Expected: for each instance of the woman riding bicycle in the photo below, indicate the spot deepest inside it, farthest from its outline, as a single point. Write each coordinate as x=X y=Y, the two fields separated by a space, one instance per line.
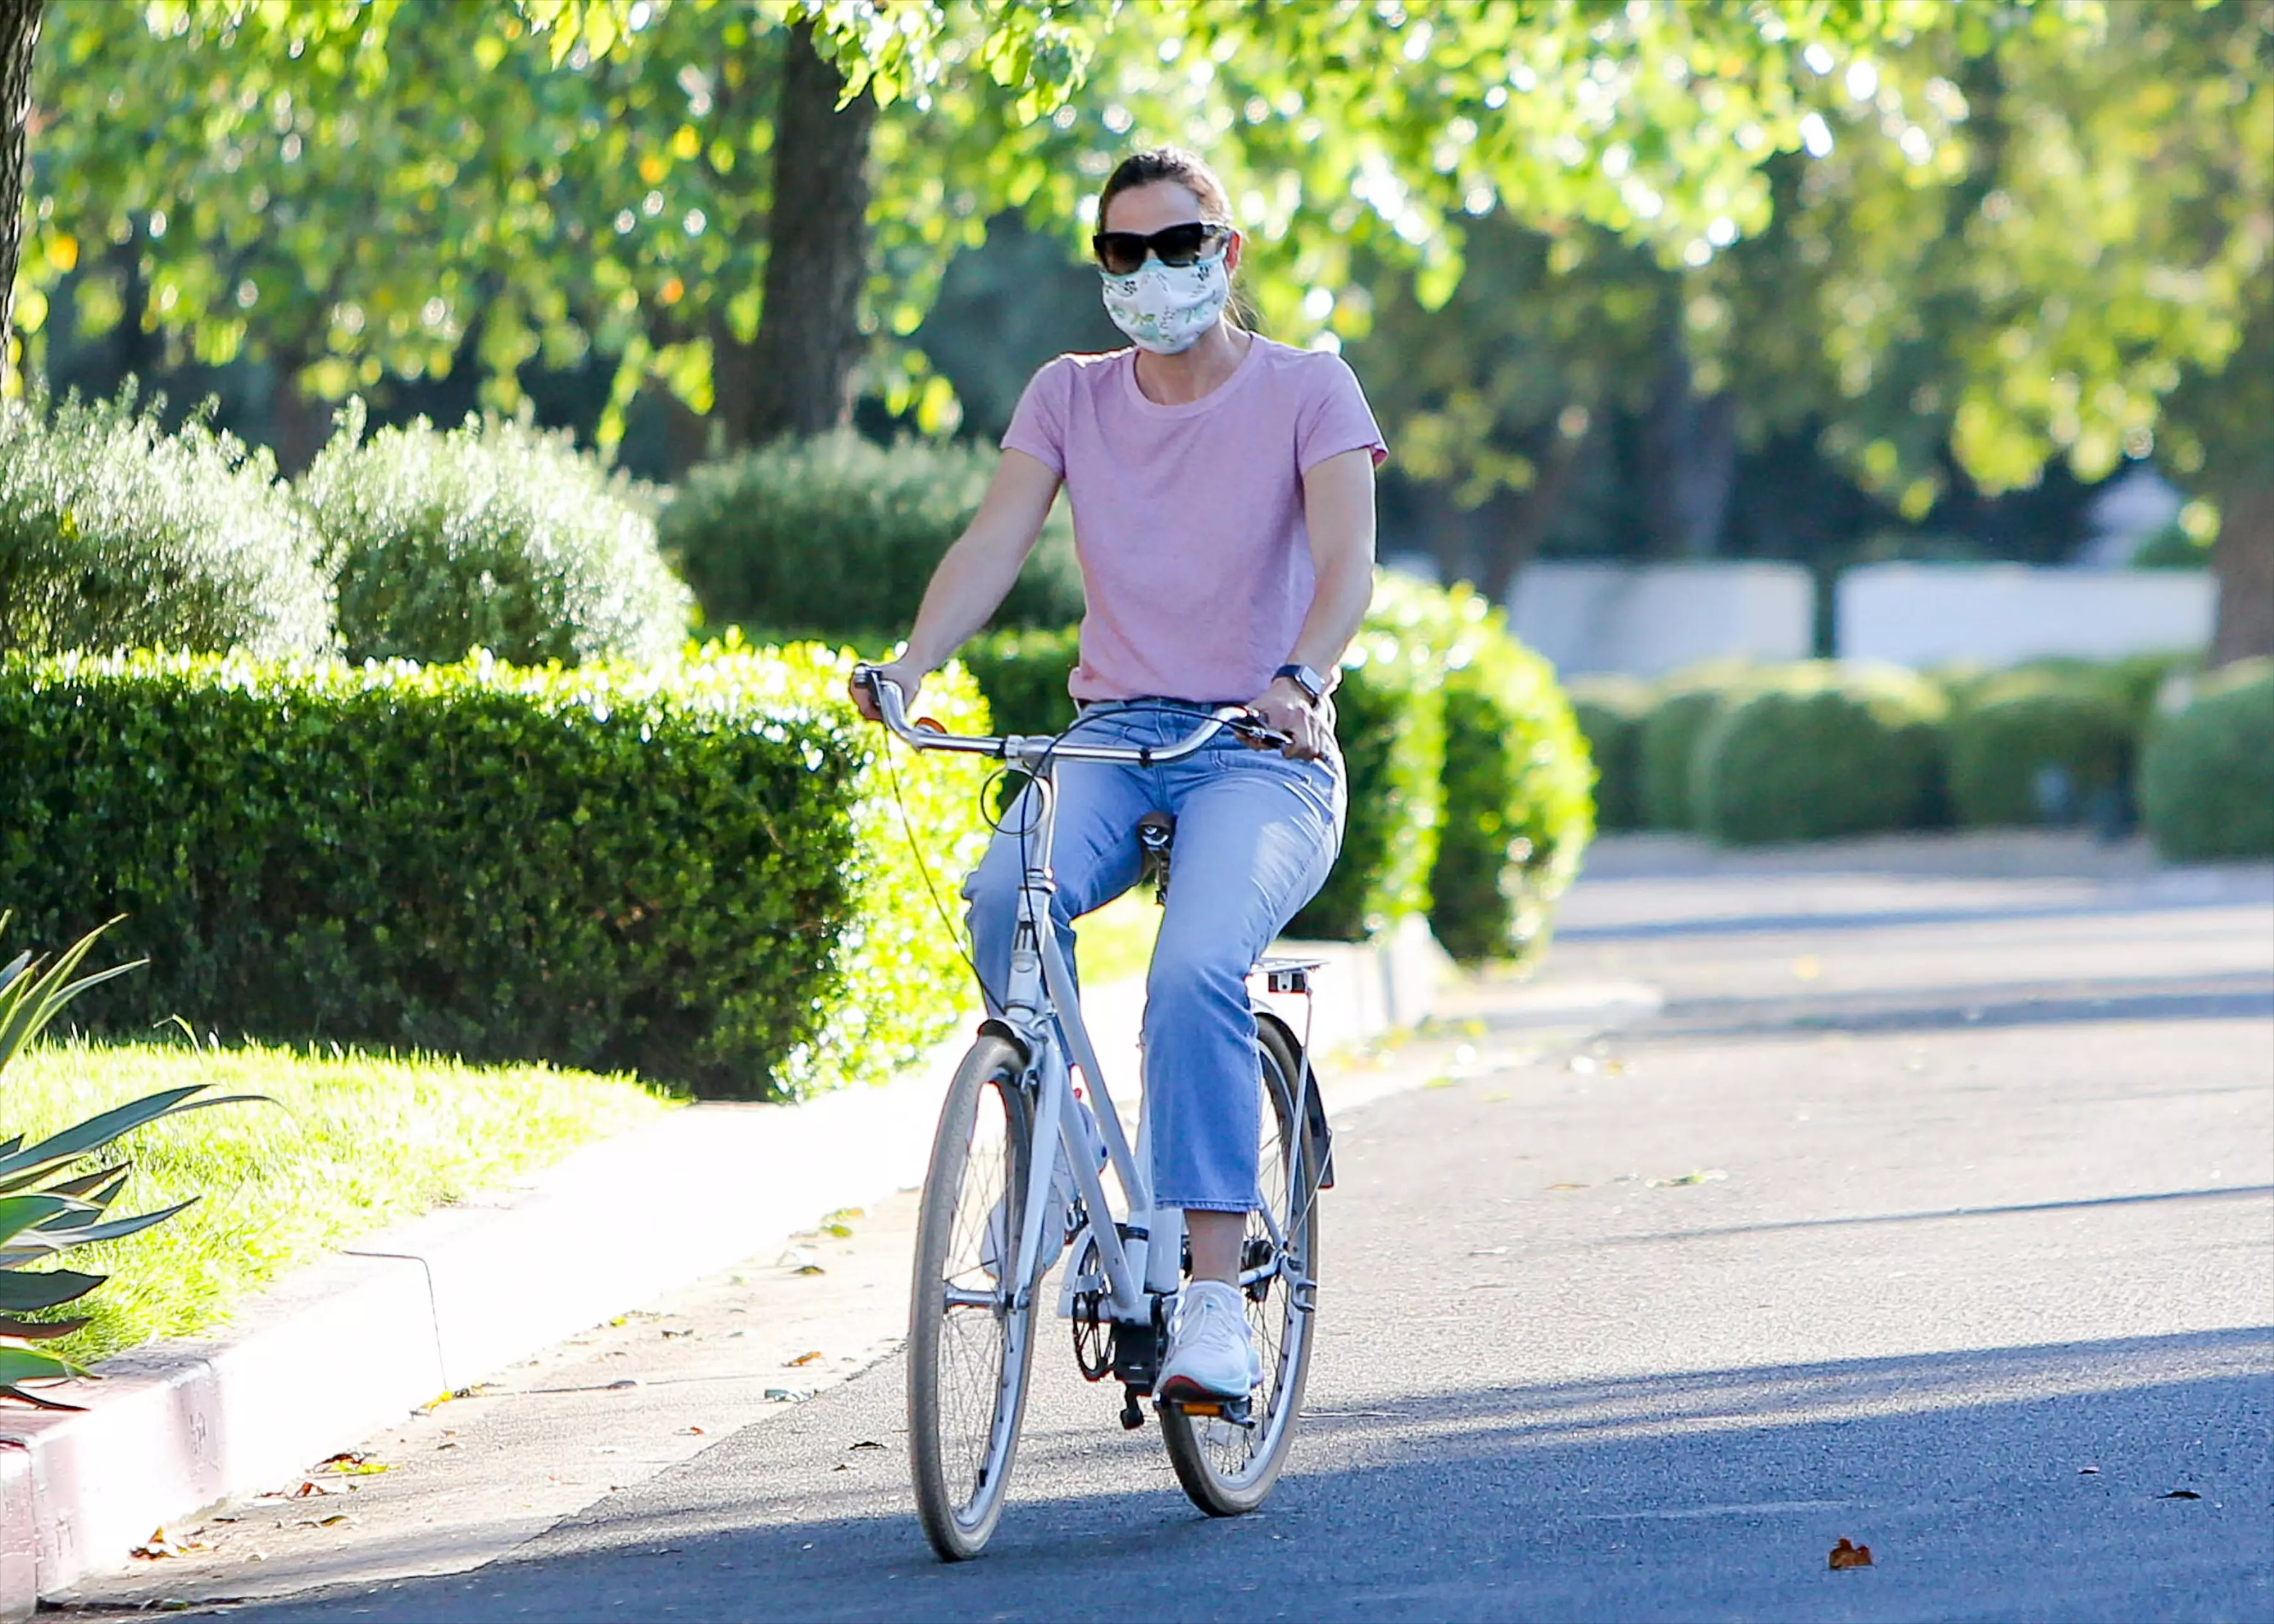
x=1222 y=495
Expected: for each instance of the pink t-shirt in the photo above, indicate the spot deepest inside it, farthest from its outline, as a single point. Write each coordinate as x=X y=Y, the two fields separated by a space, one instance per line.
x=1188 y=520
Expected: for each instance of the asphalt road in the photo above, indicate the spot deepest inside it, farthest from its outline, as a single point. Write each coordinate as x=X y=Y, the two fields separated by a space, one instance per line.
x=1933 y=1213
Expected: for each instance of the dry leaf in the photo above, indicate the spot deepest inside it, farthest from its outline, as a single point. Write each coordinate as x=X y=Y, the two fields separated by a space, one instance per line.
x=866 y=1443
x=1567 y=1186
x=802 y=1358
x=1846 y=1555
x=2181 y=1494
x=690 y=1431
x=809 y=1268
x=309 y=1491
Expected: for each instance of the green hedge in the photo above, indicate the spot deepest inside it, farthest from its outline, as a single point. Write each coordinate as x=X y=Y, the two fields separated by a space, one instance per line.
x=1390 y=721
x=1518 y=815
x=115 y=534
x=836 y=537
x=1023 y=676
x=696 y=871
x=2038 y=747
x=1665 y=749
x=1610 y=712
x=492 y=536
x=2207 y=775
x=1819 y=749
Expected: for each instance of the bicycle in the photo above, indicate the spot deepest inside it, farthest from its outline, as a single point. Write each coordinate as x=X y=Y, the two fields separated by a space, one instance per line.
x=995 y=1216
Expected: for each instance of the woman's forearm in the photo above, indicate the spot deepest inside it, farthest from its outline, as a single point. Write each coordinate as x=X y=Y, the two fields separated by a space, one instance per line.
x=980 y=570
x=1338 y=512
x=969 y=585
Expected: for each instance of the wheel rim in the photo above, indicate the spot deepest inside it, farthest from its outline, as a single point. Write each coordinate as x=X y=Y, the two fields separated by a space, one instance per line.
x=979 y=1338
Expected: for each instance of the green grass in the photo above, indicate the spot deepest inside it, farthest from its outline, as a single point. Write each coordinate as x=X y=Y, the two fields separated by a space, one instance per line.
x=354 y=1142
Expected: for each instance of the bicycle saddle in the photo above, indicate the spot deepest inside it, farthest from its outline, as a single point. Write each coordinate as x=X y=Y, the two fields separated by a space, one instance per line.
x=1155 y=832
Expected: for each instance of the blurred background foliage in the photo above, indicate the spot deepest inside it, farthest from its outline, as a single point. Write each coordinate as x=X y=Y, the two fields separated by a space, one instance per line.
x=1786 y=280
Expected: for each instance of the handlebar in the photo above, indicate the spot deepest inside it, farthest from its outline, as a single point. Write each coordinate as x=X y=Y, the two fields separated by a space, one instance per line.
x=1025 y=749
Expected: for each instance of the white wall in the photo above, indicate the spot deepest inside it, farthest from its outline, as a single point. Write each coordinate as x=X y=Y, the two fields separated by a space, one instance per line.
x=1996 y=614
x=1648 y=620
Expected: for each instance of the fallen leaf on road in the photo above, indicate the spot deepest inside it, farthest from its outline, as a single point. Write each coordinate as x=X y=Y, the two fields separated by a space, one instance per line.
x=866 y=1443
x=809 y=1268
x=353 y=1464
x=1567 y=1186
x=1846 y=1555
x=840 y=1466
x=1702 y=1175
x=802 y=1358
x=162 y=1544
x=2088 y=1471
x=2181 y=1494
x=309 y=1491
x=672 y=1334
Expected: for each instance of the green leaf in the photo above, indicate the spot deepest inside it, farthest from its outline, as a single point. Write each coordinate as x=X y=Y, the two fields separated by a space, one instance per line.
x=45 y=1288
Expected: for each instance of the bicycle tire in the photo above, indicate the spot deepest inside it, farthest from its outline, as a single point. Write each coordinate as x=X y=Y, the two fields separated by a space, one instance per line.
x=968 y=1390
x=1227 y=1469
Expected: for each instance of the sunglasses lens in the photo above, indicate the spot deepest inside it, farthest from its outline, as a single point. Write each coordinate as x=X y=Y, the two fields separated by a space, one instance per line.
x=1180 y=246
x=1120 y=253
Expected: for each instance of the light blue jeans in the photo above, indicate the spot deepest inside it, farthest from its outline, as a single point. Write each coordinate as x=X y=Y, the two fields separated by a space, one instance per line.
x=1256 y=834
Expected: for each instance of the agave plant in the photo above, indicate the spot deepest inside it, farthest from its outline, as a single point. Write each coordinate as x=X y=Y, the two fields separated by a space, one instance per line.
x=45 y=1207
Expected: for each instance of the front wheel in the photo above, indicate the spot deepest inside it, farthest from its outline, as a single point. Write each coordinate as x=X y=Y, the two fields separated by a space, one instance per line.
x=1225 y=1467
x=970 y=1342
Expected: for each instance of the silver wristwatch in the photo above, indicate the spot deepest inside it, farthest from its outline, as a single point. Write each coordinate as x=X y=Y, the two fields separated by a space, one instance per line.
x=1310 y=681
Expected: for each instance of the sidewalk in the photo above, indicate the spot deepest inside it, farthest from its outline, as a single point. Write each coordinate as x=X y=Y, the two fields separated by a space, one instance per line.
x=687 y=1216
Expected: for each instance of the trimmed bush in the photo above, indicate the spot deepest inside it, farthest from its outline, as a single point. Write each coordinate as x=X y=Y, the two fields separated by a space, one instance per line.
x=2207 y=775
x=2034 y=747
x=1820 y=750
x=1023 y=676
x=836 y=537
x=115 y=534
x=1516 y=814
x=1390 y=721
x=1665 y=749
x=1609 y=711
x=494 y=536
x=697 y=871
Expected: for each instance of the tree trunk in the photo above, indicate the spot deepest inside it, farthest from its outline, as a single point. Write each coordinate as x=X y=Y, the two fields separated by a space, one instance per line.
x=298 y=425
x=1510 y=545
x=19 y=39
x=817 y=256
x=1689 y=453
x=2242 y=560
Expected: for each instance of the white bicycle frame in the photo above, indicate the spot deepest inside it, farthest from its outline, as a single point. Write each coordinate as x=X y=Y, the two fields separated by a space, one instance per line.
x=1137 y=1257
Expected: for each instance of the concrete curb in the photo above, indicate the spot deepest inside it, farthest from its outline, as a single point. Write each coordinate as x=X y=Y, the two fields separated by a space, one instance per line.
x=344 y=1348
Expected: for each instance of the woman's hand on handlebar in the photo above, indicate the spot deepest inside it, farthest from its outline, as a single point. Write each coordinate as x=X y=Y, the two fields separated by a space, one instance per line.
x=1286 y=709
x=902 y=675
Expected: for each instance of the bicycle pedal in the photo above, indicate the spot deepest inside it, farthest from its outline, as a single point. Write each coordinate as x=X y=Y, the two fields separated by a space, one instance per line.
x=1238 y=1411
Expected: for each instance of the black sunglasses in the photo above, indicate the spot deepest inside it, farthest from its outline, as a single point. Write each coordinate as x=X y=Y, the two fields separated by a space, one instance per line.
x=1122 y=253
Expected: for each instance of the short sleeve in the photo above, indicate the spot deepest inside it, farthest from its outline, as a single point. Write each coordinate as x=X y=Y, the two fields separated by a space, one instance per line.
x=1333 y=417
x=1039 y=425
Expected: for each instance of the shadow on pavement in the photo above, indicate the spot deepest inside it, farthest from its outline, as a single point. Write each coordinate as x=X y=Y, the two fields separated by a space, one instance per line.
x=2247 y=995
x=2014 y=1484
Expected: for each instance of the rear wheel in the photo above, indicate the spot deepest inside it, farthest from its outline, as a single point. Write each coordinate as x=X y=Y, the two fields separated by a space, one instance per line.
x=1226 y=1468
x=969 y=1347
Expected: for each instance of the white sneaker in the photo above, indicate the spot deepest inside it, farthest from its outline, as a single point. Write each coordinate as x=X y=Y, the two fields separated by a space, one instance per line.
x=1211 y=1349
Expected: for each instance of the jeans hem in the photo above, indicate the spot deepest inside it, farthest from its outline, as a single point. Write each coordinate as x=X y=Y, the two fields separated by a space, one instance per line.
x=1206 y=1206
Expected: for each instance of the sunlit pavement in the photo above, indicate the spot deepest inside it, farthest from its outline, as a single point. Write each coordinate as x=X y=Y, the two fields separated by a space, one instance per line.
x=1932 y=1213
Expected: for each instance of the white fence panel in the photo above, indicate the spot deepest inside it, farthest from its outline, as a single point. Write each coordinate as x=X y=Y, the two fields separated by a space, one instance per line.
x=1647 y=620
x=1997 y=615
